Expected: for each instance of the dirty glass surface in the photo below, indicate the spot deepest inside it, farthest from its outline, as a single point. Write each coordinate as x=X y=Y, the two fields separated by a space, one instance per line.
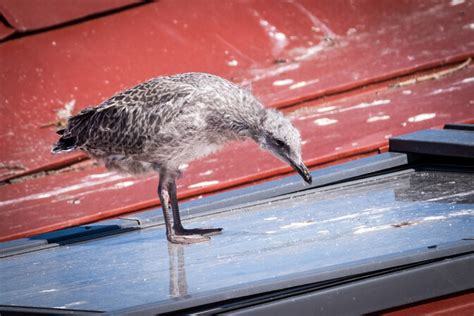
x=315 y=229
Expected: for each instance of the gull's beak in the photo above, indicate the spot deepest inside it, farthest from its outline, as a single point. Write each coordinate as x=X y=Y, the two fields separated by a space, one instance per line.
x=303 y=171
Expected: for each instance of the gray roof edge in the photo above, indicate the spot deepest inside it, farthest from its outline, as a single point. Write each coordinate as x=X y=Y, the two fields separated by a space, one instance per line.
x=453 y=141
x=425 y=254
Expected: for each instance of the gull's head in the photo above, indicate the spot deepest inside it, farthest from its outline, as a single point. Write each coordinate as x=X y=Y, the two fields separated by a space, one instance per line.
x=282 y=139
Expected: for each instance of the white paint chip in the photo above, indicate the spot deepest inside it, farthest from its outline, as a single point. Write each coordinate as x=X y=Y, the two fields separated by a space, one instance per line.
x=124 y=184
x=263 y=73
x=232 y=63
x=439 y=91
x=66 y=112
x=100 y=175
x=456 y=2
x=326 y=109
x=297 y=85
x=378 y=118
x=304 y=53
x=325 y=121
x=203 y=184
x=206 y=173
x=283 y=82
x=302 y=84
x=351 y=31
x=364 y=105
x=421 y=117
x=279 y=36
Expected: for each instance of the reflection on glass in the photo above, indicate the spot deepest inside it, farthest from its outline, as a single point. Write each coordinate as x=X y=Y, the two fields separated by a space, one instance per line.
x=177 y=277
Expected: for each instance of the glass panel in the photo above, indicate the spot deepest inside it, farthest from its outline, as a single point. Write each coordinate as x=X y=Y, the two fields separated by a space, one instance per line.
x=316 y=229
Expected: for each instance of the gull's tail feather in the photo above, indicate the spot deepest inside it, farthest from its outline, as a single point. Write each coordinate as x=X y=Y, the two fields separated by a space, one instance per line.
x=64 y=144
x=68 y=140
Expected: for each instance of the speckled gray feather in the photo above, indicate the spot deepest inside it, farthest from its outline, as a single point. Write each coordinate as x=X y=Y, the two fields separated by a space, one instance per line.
x=169 y=121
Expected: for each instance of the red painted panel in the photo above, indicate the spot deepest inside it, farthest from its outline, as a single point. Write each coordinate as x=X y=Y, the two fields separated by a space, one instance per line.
x=28 y=15
x=459 y=305
x=289 y=51
x=331 y=131
x=5 y=30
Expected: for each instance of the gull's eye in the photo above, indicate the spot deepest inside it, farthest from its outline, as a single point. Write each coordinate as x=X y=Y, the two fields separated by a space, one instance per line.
x=280 y=143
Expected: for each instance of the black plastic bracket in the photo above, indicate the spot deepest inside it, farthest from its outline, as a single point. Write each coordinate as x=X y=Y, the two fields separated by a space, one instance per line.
x=453 y=141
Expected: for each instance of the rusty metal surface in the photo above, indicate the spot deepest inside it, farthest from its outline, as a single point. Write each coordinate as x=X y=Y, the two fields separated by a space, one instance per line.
x=330 y=131
x=288 y=52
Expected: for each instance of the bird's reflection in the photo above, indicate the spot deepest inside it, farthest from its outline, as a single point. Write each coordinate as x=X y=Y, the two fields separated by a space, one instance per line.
x=178 y=282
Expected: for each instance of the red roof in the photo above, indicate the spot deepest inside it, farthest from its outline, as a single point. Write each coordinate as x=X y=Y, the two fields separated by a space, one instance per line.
x=332 y=67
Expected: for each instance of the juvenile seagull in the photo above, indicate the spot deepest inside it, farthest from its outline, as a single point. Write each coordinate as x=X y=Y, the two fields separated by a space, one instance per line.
x=168 y=121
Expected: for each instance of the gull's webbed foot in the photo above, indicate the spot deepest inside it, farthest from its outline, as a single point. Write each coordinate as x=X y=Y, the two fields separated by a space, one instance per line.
x=187 y=239
x=191 y=236
x=199 y=231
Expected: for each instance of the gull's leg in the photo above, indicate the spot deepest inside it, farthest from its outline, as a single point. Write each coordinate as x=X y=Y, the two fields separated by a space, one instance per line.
x=178 y=227
x=172 y=234
x=165 y=199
